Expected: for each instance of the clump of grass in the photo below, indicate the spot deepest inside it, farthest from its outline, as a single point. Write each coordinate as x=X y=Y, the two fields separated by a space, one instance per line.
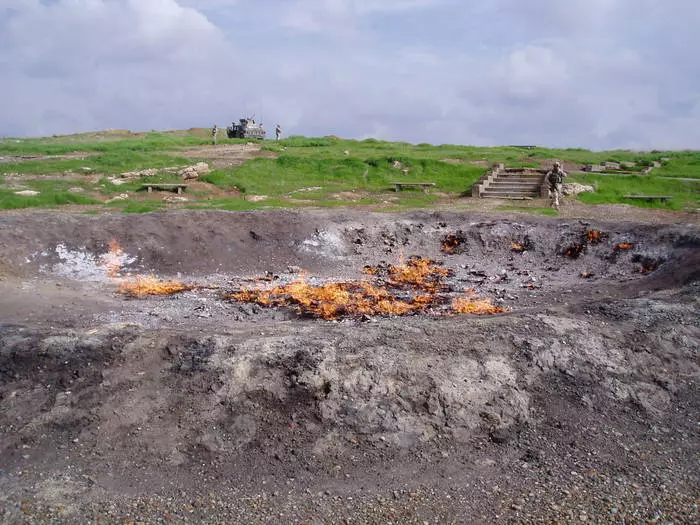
x=611 y=189
x=10 y=201
x=226 y=179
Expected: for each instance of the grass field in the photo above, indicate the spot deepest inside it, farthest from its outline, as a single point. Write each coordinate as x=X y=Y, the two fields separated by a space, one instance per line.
x=314 y=172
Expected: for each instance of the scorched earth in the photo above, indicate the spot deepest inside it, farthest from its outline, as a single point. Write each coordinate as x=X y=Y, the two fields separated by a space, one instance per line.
x=346 y=367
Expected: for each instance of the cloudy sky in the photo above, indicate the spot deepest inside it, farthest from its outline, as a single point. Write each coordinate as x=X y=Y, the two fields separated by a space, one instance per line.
x=566 y=73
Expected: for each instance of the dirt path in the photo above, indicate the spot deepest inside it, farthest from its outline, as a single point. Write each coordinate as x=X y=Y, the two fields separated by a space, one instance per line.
x=225 y=155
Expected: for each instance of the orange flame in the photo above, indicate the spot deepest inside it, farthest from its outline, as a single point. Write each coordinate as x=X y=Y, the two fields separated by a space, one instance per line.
x=574 y=250
x=151 y=285
x=623 y=246
x=342 y=299
x=112 y=260
x=331 y=300
x=515 y=247
x=471 y=305
x=418 y=273
x=451 y=242
x=593 y=236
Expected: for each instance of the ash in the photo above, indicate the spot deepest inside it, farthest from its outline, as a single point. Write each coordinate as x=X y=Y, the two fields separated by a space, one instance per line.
x=579 y=404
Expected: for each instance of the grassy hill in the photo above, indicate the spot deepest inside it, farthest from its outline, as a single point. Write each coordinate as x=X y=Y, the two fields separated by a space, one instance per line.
x=301 y=171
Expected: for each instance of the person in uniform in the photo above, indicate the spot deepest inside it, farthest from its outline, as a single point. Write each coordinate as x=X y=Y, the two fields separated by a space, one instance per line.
x=214 y=133
x=555 y=179
x=278 y=131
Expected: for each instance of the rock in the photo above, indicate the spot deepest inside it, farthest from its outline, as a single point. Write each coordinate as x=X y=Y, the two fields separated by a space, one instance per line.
x=117 y=182
x=573 y=188
x=174 y=199
x=195 y=171
x=76 y=190
x=140 y=174
x=27 y=193
x=121 y=197
x=255 y=198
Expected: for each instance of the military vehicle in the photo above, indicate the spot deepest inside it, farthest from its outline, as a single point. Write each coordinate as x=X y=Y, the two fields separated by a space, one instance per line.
x=245 y=129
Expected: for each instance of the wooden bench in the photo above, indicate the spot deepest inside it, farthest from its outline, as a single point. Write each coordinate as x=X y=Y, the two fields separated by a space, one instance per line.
x=167 y=187
x=424 y=185
x=663 y=198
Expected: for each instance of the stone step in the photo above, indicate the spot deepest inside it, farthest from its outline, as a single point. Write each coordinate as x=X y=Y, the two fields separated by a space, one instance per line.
x=511 y=194
x=512 y=190
x=518 y=177
x=511 y=184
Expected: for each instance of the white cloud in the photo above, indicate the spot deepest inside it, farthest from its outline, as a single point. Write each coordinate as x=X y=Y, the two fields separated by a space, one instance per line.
x=595 y=73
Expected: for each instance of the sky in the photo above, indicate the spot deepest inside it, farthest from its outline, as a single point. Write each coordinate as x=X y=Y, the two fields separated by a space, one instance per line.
x=597 y=74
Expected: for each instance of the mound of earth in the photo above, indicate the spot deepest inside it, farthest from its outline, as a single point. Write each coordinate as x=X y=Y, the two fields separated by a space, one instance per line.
x=577 y=404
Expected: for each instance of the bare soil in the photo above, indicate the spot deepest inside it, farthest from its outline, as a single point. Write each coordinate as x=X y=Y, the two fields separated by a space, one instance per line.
x=225 y=155
x=578 y=405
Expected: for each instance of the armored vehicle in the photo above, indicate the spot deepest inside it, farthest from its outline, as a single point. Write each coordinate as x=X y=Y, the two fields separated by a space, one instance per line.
x=245 y=129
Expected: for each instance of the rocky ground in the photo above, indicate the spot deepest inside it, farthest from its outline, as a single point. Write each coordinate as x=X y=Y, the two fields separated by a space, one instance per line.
x=579 y=404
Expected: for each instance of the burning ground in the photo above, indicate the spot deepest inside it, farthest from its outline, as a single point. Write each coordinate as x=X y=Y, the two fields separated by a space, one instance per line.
x=312 y=367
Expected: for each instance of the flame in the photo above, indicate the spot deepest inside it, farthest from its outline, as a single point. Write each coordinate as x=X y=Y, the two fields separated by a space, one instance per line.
x=451 y=242
x=416 y=285
x=593 y=236
x=418 y=273
x=112 y=260
x=140 y=286
x=515 y=247
x=624 y=246
x=472 y=305
x=332 y=300
x=649 y=268
x=574 y=250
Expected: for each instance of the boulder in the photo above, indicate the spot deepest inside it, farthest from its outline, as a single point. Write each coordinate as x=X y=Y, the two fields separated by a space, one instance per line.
x=121 y=197
x=139 y=174
x=573 y=188
x=195 y=171
x=174 y=199
x=27 y=193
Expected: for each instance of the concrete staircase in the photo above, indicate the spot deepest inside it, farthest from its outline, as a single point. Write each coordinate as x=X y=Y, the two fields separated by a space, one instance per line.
x=511 y=183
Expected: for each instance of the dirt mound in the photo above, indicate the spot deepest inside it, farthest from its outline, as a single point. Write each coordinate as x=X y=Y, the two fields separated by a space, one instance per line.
x=581 y=400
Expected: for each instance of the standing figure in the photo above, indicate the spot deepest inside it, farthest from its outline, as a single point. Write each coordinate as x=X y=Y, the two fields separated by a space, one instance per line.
x=278 y=131
x=555 y=179
x=214 y=133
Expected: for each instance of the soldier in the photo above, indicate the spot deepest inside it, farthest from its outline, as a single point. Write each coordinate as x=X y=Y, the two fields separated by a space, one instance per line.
x=555 y=178
x=214 y=133
x=278 y=131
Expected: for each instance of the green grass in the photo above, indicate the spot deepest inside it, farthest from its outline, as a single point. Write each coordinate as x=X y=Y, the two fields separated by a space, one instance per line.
x=135 y=185
x=281 y=176
x=10 y=201
x=137 y=206
x=328 y=166
x=110 y=163
x=332 y=147
x=684 y=164
x=611 y=189
x=90 y=144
